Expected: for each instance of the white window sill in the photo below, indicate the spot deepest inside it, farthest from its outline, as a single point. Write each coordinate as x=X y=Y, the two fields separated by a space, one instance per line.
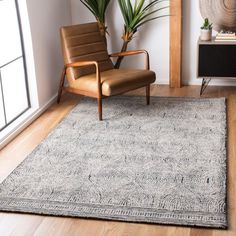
x=22 y=122
x=7 y=134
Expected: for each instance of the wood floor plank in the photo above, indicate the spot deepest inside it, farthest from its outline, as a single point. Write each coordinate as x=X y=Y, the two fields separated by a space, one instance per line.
x=54 y=226
x=201 y=232
x=18 y=224
x=178 y=231
x=16 y=151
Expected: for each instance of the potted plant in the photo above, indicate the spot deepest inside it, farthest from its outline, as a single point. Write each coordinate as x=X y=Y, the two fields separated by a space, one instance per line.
x=206 y=30
x=98 y=9
x=136 y=15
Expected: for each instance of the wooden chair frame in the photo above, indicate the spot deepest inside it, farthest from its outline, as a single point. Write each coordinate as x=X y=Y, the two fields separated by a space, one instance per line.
x=99 y=95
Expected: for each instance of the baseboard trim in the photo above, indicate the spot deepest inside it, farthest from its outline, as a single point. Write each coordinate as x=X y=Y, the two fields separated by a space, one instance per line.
x=25 y=123
x=214 y=82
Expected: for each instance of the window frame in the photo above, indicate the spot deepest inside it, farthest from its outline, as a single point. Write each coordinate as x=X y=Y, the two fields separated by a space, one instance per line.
x=7 y=123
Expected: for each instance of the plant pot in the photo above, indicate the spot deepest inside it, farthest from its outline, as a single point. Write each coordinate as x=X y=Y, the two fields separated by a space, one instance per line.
x=206 y=35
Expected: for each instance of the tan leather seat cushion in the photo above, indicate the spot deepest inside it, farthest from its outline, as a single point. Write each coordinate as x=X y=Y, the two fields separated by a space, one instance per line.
x=115 y=81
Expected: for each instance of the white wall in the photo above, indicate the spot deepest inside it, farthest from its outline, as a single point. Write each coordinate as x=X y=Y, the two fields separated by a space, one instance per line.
x=46 y=17
x=192 y=21
x=154 y=37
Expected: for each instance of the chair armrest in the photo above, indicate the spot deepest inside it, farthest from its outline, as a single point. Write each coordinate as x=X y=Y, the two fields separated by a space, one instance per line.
x=88 y=63
x=131 y=53
x=82 y=63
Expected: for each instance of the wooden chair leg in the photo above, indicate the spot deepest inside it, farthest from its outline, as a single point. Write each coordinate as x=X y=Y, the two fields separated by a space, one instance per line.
x=100 y=108
x=148 y=94
x=63 y=74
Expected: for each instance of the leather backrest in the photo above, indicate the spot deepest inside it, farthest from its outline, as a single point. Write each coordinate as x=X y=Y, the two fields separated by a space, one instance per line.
x=84 y=42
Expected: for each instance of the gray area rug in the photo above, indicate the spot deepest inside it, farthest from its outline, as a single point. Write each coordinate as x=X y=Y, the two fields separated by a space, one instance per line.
x=164 y=163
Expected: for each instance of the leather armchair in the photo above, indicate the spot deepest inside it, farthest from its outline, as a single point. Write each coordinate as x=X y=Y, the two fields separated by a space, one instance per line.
x=90 y=71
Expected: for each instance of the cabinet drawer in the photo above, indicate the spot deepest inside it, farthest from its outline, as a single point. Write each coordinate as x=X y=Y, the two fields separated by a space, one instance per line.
x=217 y=60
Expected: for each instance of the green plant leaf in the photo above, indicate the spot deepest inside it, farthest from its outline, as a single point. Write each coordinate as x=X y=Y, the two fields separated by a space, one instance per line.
x=138 y=14
x=153 y=3
x=139 y=7
x=153 y=12
x=206 y=24
x=97 y=8
x=151 y=19
x=123 y=8
x=89 y=8
x=130 y=10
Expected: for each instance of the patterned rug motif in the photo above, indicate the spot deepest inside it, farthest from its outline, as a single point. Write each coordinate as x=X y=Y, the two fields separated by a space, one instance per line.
x=164 y=163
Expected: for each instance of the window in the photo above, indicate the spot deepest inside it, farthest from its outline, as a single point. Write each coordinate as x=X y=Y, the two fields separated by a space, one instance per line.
x=14 y=94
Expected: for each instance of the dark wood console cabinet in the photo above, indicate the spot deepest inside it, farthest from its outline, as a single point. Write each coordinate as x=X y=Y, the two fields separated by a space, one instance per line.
x=216 y=59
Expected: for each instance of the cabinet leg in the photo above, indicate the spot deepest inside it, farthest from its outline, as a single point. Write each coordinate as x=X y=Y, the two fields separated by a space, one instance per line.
x=205 y=83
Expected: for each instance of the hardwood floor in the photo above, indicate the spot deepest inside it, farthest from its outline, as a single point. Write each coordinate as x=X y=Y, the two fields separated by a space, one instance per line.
x=24 y=224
